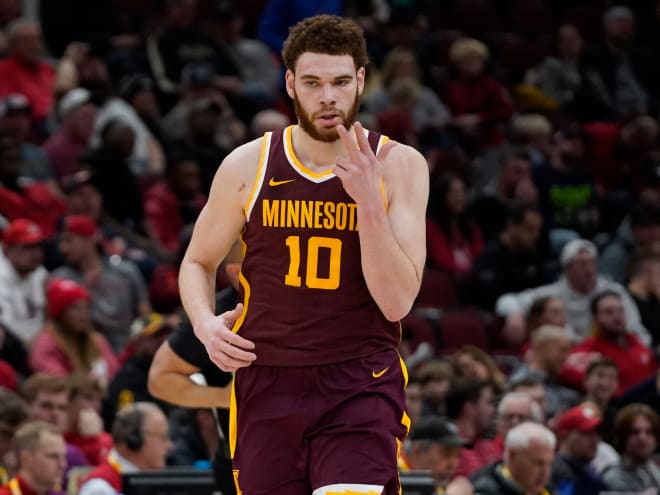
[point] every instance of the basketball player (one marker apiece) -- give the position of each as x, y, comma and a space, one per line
332, 220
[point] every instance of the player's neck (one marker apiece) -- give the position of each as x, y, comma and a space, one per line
316, 155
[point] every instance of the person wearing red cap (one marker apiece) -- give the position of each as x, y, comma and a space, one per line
22, 280
69, 344
118, 292
577, 431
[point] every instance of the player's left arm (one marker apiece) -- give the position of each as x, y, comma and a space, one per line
392, 235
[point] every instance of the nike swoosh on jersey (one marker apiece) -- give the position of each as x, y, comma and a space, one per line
273, 183
378, 374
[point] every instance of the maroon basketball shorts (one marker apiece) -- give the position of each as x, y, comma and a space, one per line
320, 430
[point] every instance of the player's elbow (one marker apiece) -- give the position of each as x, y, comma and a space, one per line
397, 311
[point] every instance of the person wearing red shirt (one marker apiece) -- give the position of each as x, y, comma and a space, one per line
172, 203
453, 240
634, 360
479, 103
24, 71
42, 459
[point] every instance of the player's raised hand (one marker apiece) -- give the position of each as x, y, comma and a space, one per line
228, 350
360, 170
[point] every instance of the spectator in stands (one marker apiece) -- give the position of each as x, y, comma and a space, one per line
512, 182
429, 114
24, 71
22, 280
644, 288
15, 123
12, 415
41, 454
513, 409
559, 76
576, 287
136, 106
545, 311
177, 43
174, 202
65, 148
617, 154
533, 132
639, 230
470, 405
85, 429
577, 431
118, 293
480, 105
248, 74
636, 433
567, 193
47, 399
21, 198
68, 343
601, 381
547, 354
112, 173
141, 440
533, 386
529, 450
434, 444
131, 382
201, 139
513, 262
614, 83
472, 362
435, 376
611, 339
453, 240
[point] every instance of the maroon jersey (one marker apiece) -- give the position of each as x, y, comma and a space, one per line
305, 299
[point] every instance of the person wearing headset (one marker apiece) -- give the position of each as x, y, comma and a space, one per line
141, 440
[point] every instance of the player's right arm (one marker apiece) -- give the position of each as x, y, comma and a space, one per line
219, 224
169, 380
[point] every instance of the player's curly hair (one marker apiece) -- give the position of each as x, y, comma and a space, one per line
327, 34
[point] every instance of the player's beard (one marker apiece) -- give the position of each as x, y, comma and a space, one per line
328, 134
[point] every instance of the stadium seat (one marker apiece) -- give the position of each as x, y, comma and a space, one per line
438, 290
458, 328
475, 16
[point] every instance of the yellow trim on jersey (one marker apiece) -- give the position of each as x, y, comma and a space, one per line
382, 141
405, 419
297, 164
246, 301
233, 427
261, 173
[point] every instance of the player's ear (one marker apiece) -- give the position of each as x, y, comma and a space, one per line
360, 79
289, 78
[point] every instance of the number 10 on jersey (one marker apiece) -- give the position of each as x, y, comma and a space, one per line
313, 247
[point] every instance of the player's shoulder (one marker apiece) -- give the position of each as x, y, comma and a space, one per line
245, 154
400, 158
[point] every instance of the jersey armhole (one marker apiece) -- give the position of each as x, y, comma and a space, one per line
261, 173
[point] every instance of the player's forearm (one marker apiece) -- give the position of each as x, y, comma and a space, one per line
180, 390
197, 289
390, 274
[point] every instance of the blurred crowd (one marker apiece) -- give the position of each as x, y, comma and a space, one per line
539, 122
